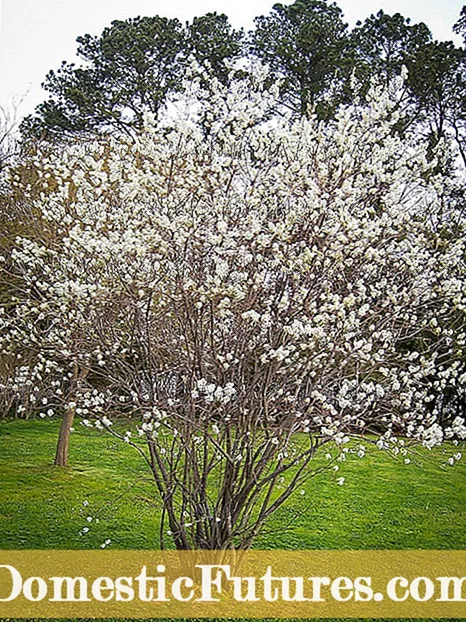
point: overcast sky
(36, 35)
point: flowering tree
(248, 291)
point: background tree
(306, 45)
(129, 70)
(385, 43)
(135, 65)
(437, 81)
(460, 26)
(214, 44)
(255, 298)
(32, 384)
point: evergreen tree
(306, 45)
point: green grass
(384, 504)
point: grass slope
(383, 504)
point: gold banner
(256, 584)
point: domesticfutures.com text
(211, 582)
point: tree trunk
(61, 456)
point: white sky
(36, 35)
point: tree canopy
(137, 66)
(129, 70)
(252, 299)
(305, 43)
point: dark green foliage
(435, 84)
(437, 79)
(135, 65)
(460, 26)
(384, 43)
(212, 42)
(129, 70)
(306, 44)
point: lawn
(383, 504)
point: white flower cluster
(280, 272)
(211, 392)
